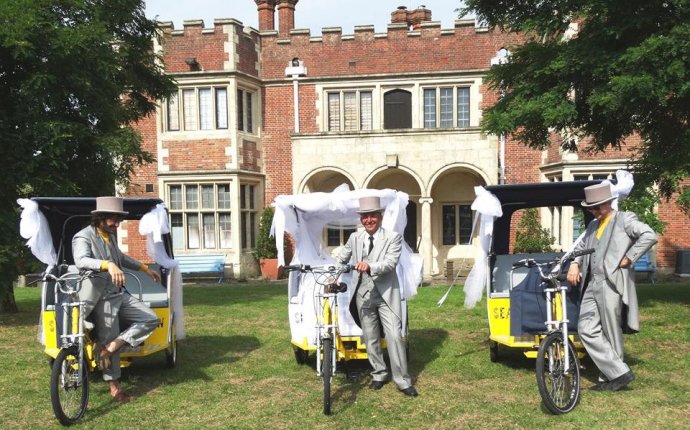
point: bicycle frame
(327, 327)
(556, 311)
(72, 330)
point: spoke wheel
(559, 387)
(327, 373)
(69, 394)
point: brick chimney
(399, 16)
(286, 16)
(411, 18)
(418, 16)
(266, 10)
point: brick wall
(677, 233)
(194, 155)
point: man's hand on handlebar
(362, 266)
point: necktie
(371, 244)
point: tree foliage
(530, 236)
(74, 76)
(625, 73)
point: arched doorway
(401, 180)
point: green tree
(265, 244)
(625, 72)
(530, 236)
(74, 76)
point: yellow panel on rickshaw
(499, 316)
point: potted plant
(266, 251)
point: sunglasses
(594, 208)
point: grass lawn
(236, 369)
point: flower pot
(269, 269)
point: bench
(644, 265)
(202, 264)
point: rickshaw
(318, 316)
(515, 304)
(49, 223)
(530, 306)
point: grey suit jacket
(625, 236)
(382, 262)
(89, 250)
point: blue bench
(644, 265)
(200, 264)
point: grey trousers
(600, 328)
(374, 313)
(115, 310)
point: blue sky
(311, 14)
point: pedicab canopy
(494, 206)
(304, 216)
(49, 223)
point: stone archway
(324, 181)
(452, 193)
(401, 180)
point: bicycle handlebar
(330, 268)
(530, 262)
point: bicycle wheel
(69, 393)
(559, 387)
(327, 373)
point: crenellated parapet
(402, 49)
(227, 46)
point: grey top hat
(597, 194)
(109, 205)
(369, 205)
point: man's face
(371, 221)
(601, 211)
(111, 223)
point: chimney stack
(266, 10)
(413, 18)
(286, 17)
(399, 16)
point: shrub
(530, 236)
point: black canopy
(67, 215)
(522, 196)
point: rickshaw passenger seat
(153, 294)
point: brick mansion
(275, 110)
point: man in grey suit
(375, 303)
(609, 303)
(95, 250)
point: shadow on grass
(195, 355)
(648, 294)
(424, 348)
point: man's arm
(83, 258)
(345, 253)
(642, 235)
(390, 258)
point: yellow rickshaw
(50, 223)
(515, 303)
